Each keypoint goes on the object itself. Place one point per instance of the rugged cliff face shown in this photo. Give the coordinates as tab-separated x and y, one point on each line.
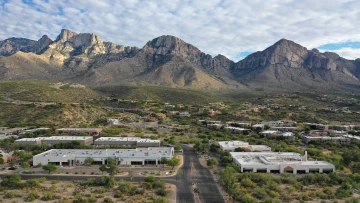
12	45
169	61
289	66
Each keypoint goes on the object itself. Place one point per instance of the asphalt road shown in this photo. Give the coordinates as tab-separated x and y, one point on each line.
209	192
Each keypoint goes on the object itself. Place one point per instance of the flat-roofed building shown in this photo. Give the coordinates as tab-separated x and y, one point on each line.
54	139
317	126
127	141
238	124
237	130
351	136
72	157
28	141
258	126
279	162
268	133
90	131
215	126
65	139
230	146
34	130
291	129
148	143
339	140
10	131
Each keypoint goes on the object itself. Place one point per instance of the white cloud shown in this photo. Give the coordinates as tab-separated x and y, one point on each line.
226	27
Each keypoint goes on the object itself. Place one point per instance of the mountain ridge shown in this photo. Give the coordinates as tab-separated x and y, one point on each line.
171	62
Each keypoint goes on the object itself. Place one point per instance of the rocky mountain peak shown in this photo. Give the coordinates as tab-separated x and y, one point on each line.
168	44
65	35
69	43
286	52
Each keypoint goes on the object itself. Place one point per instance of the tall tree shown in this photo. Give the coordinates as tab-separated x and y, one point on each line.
111	167
173	162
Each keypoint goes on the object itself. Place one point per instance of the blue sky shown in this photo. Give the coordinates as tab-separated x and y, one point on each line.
230	27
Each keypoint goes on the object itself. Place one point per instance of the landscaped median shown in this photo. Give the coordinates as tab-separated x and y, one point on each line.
169	168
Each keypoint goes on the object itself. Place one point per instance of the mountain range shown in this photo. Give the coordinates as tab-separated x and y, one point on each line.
171	62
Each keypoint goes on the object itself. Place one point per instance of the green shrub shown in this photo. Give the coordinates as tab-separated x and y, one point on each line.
118	194
32	196
11	194
49	196
108	200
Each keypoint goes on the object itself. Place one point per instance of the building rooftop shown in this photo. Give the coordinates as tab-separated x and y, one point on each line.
236	128
325	137
288	134
149	140
269	131
118	139
238	143
11	130
273	158
35	129
258	125
351	136
80	129
57	138
153	152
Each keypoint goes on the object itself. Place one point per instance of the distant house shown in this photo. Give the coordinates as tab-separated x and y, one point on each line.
170	106
238	124
113	121
339	140
173	112
215	126
11	131
236	129
317	126
268	133
258	127
184	114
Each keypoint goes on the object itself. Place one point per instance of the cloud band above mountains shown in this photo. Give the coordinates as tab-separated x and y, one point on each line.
227	27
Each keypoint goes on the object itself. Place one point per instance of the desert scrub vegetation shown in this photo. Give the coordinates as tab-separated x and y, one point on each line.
104	189
51	115
163	94
43	91
257	187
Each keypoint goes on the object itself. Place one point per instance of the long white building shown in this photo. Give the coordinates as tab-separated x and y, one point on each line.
232	145
71	157
279	162
54	139
127	141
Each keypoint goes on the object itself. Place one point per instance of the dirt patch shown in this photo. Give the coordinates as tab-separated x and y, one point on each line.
172	192
193	172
